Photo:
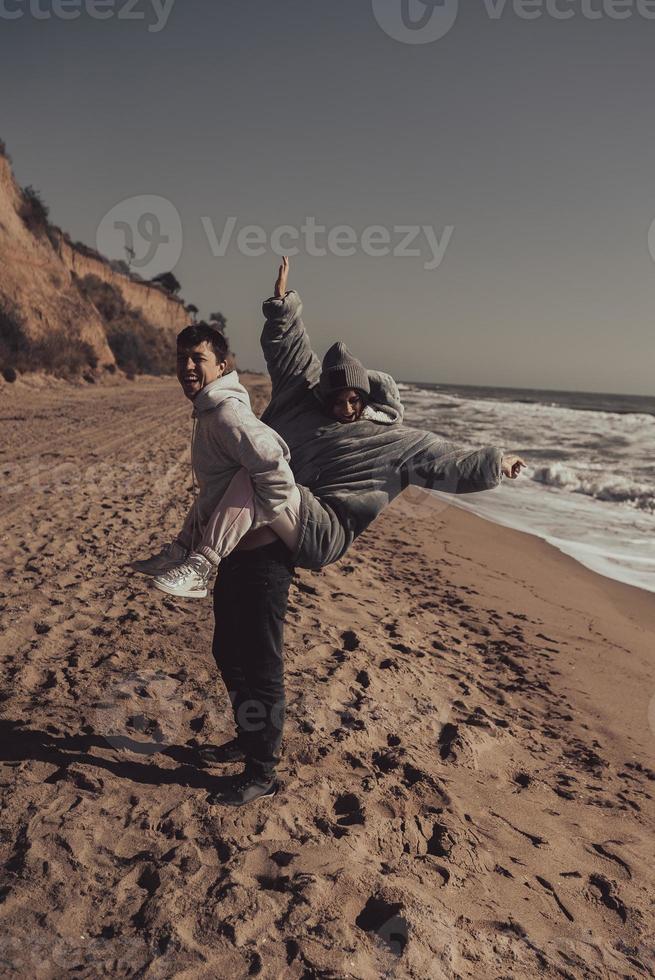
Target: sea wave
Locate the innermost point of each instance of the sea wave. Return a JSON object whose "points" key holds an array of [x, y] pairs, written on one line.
{"points": [[613, 489]]}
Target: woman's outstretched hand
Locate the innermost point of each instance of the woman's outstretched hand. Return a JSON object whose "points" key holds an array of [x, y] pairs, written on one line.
{"points": [[282, 276], [511, 466]]}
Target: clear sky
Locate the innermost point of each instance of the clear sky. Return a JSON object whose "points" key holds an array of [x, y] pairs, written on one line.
{"points": [[525, 146]]}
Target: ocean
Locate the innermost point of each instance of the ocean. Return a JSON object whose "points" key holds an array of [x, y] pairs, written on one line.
{"points": [[589, 488]]}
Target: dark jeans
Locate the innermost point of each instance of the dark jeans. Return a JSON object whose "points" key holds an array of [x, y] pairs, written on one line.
{"points": [[250, 603]]}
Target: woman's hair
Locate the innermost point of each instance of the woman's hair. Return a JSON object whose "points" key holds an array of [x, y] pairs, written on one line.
{"points": [[198, 333], [332, 397]]}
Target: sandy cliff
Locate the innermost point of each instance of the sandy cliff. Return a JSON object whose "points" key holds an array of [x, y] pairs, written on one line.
{"points": [[36, 286], [39, 294], [155, 304]]}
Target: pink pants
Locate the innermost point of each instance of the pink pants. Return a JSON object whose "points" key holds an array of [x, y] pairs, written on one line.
{"points": [[234, 516]]}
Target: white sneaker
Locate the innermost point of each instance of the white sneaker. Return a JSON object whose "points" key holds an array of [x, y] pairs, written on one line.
{"points": [[170, 555], [188, 578]]}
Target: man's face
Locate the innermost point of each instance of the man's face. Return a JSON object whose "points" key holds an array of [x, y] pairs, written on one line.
{"points": [[347, 405], [197, 367]]}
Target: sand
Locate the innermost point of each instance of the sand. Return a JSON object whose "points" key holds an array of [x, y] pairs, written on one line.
{"points": [[467, 784]]}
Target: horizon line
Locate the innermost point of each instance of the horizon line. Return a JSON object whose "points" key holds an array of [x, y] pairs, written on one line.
{"points": [[555, 391]]}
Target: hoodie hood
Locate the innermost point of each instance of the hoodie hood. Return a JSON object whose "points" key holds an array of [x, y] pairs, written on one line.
{"points": [[383, 404], [219, 391], [384, 399]]}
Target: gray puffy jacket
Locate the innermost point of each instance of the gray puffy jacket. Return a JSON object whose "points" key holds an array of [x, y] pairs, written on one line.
{"points": [[349, 473]]}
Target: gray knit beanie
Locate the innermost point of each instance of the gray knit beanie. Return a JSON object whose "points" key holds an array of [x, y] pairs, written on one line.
{"points": [[342, 370]]}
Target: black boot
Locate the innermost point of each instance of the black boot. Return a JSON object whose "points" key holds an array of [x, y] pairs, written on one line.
{"points": [[251, 784], [212, 755]]}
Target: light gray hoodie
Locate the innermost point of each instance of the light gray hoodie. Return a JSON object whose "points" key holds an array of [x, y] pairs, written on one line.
{"points": [[227, 436]]}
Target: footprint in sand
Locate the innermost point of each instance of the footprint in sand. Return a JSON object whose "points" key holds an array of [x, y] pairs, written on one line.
{"points": [[383, 919], [604, 891], [447, 739], [603, 850], [412, 775], [387, 760], [349, 810], [522, 780], [546, 885], [283, 858], [350, 641]]}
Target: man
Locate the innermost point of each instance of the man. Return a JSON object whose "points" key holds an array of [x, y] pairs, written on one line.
{"points": [[352, 455], [230, 443]]}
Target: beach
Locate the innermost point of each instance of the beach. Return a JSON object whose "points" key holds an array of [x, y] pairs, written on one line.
{"points": [[468, 776]]}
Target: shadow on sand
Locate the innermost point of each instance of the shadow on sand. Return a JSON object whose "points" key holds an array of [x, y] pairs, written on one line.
{"points": [[19, 743]]}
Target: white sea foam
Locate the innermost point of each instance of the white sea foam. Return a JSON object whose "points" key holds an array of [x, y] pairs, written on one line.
{"points": [[613, 488], [589, 489]]}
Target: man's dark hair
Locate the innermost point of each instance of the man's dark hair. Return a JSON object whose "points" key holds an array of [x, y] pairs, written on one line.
{"points": [[197, 333]]}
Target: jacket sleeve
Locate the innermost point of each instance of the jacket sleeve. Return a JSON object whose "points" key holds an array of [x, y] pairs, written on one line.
{"points": [[259, 450], [441, 465], [289, 356]]}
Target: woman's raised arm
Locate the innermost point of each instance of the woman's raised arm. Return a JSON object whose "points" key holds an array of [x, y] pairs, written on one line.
{"points": [[285, 343]]}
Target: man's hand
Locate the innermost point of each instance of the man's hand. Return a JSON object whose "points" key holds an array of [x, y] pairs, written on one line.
{"points": [[282, 276], [511, 466]]}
